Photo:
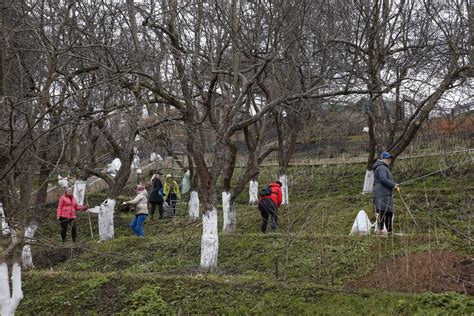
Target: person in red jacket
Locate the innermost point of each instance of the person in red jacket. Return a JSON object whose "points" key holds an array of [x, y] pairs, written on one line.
{"points": [[268, 205], [66, 214]]}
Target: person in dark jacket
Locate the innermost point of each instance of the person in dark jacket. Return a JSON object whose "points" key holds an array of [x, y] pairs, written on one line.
{"points": [[156, 197], [383, 191], [268, 206]]}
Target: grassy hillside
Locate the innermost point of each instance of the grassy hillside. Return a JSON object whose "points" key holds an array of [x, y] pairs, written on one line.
{"points": [[310, 265]]}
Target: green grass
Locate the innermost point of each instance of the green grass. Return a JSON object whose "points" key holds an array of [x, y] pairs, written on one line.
{"points": [[303, 268]]}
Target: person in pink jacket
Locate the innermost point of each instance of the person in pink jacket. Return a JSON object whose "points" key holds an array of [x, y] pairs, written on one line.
{"points": [[66, 214]]}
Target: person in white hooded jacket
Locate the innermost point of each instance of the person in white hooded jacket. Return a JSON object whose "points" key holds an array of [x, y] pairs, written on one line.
{"points": [[141, 211]]}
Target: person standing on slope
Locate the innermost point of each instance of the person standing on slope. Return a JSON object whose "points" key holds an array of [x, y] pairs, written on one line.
{"points": [[269, 201], [66, 214], [383, 191], [156, 197], [141, 211], [171, 193]]}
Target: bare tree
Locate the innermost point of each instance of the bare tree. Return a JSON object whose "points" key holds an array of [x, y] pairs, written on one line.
{"points": [[408, 54]]}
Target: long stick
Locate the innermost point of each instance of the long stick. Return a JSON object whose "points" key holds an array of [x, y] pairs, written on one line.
{"points": [[90, 222], [408, 209]]}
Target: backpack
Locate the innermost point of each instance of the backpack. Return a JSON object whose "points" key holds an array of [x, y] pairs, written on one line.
{"points": [[266, 191]]}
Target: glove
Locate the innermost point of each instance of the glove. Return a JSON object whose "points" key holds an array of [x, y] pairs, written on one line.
{"points": [[397, 188]]}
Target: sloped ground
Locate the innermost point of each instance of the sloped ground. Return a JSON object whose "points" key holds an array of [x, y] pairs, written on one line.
{"points": [[303, 268], [436, 271]]}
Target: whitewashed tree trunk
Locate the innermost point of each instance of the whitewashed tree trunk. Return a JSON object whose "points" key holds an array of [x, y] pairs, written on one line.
{"points": [[230, 214], [26, 256], [17, 293], [362, 224], [253, 192], [4, 288], [193, 205], [10, 303], [368, 182], [209, 240], [80, 191], [106, 220], [5, 228], [284, 189]]}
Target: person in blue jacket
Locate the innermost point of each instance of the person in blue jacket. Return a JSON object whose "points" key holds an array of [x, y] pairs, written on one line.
{"points": [[383, 191]]}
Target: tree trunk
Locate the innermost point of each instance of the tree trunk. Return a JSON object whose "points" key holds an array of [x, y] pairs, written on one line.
{"points": [[284, 189], [17, 293], [193, 205], [80, 191], [209, 240], [26, 257], [368, 181], [106, 220], [230, 214], [253, 191], [10, 303]]}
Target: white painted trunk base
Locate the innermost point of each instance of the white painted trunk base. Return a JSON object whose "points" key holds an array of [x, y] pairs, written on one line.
{"points": [[26, 257], [362, 224], [284, 189], [209, 240], [4, 288], [106, 220], [253, 192], [79, 191], [368, 182], [17, 293], [10, 304], [5, 228], [193, 205], [229, 213]]}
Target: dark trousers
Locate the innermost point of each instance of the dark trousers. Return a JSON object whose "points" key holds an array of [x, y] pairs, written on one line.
{"points": [[268, 209], [64, 223], [153, 208], [385, 218]]}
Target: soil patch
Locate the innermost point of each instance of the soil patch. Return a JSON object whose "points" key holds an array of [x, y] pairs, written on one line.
{"points": [[436, 271]]}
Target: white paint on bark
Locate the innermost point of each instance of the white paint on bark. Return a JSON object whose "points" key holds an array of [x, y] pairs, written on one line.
{"points": [[26, 256], [284, 189], [5, 227], [4, 288], [135, 162], [106, 220], [362, 224], [368, 181], [193, 205], [10, 303], [114, 167], [253, 192], [209, 240], [17, 293], [229, 214], [62, 182], [79, 191]]}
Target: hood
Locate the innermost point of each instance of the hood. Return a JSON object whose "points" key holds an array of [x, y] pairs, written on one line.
{"points": [[379, 163]]}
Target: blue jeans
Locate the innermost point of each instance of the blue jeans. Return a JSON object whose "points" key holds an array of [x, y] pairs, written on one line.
{"points": [[137, 225]]}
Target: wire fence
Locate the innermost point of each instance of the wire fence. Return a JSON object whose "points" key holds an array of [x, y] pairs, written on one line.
{"points": [[345, 148]]}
